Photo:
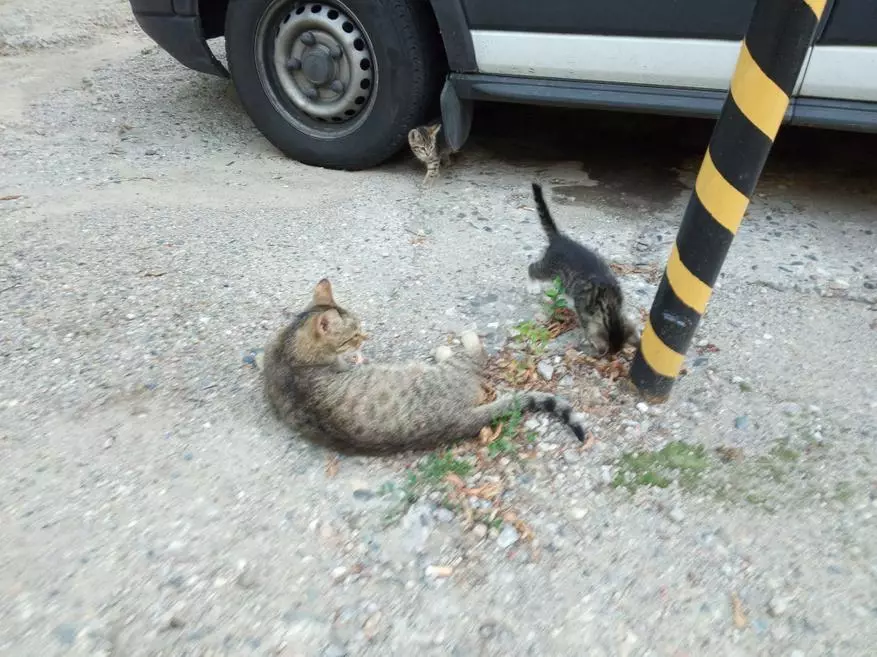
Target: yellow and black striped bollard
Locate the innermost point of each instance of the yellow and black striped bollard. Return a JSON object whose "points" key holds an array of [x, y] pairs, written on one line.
{"points": [[770, 60]]}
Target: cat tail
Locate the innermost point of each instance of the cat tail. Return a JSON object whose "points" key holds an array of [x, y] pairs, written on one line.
{"points": [[530, 402], [547, 222]]}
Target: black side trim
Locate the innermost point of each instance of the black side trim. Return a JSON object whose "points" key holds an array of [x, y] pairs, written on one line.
{"points": [[182, 38], [702, 103], [851, 23], [454, 28], [165, 7], [186, 7], [851, 115], [686, 19]]}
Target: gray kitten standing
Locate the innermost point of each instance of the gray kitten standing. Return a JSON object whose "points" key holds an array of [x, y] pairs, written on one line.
{"points": [[587, 280], [428, 145], [380, 407]]}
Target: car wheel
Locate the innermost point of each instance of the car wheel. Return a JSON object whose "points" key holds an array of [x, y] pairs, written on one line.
{"points": [[334, 84]]}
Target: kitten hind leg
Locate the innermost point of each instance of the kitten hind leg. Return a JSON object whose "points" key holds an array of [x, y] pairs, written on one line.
{"points": [[538, 271], [631, 333]]}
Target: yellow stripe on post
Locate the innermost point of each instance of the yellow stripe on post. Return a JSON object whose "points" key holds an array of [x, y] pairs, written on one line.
{"points": [[659, 356], [691, 291], [818, 6], [757, 96], [720, 198]]}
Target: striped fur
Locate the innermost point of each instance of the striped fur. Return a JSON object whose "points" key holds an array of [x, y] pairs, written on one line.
{"points": [[587, 280], [428, 146], [384, 407]]}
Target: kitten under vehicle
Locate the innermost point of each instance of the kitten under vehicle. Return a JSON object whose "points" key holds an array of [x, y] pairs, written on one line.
{"points": [[341, 83]]}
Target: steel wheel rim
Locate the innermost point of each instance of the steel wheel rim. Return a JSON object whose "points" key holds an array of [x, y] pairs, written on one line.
{"points": [[317, 66]]}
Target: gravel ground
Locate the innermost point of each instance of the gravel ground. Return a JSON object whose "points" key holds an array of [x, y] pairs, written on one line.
{"points": [[151, 505]]}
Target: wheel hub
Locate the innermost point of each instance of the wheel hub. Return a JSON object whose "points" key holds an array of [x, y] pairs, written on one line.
{"points": [[318, 67], [323, 61]]}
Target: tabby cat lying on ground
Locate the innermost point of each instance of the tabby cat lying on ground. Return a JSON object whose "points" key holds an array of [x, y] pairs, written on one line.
{"points": [[376, 407], [588, 281]]}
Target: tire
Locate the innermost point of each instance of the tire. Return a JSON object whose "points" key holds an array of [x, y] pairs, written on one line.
{"points": [[400, 39]]}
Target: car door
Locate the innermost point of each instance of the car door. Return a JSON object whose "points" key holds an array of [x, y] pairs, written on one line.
{"points": [[667, 43], [843, 63]]}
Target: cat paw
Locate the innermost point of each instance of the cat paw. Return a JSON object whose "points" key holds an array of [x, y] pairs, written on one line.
{"points": [[471, 343], [442, 353]]}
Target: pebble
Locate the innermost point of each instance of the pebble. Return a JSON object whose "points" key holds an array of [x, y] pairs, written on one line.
{"points": [[839, 284], [571, 456], [742, 422], [508, 536], [790, 408], [416, 525], [246, 578], [480, 530], [444, 515], [532, 424], [778, 606], [642, 407], [334, 650], [676, 514], [172, 621], [578, 513], [545, 369], [66, 633]]}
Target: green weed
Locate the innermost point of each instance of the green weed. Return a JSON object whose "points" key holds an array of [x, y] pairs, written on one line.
{"points": [[677, 461]]}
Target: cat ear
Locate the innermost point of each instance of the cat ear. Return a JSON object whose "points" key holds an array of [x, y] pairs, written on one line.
{"points": [[323, 293], [323, 323], [433, 129]]}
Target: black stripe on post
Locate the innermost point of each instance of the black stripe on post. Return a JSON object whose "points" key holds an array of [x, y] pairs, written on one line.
{"points": [[770, 60]]}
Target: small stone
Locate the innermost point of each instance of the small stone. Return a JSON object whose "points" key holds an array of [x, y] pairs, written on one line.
{"points": [[172, 621], [508, 536], [797, 653], [545, 369], [778, 606], [790, 408], [339, 573], [676, 515], [839, 284], [438, 572], [480, 530], [566, 382], [737, 380], [741, 422], [417, 526], [642, 407], [444, 515], [334, 650], [246, 578], [578, 513], [372, 625], [532, 424], [151, 151], [571, 456], [66, 633]]}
